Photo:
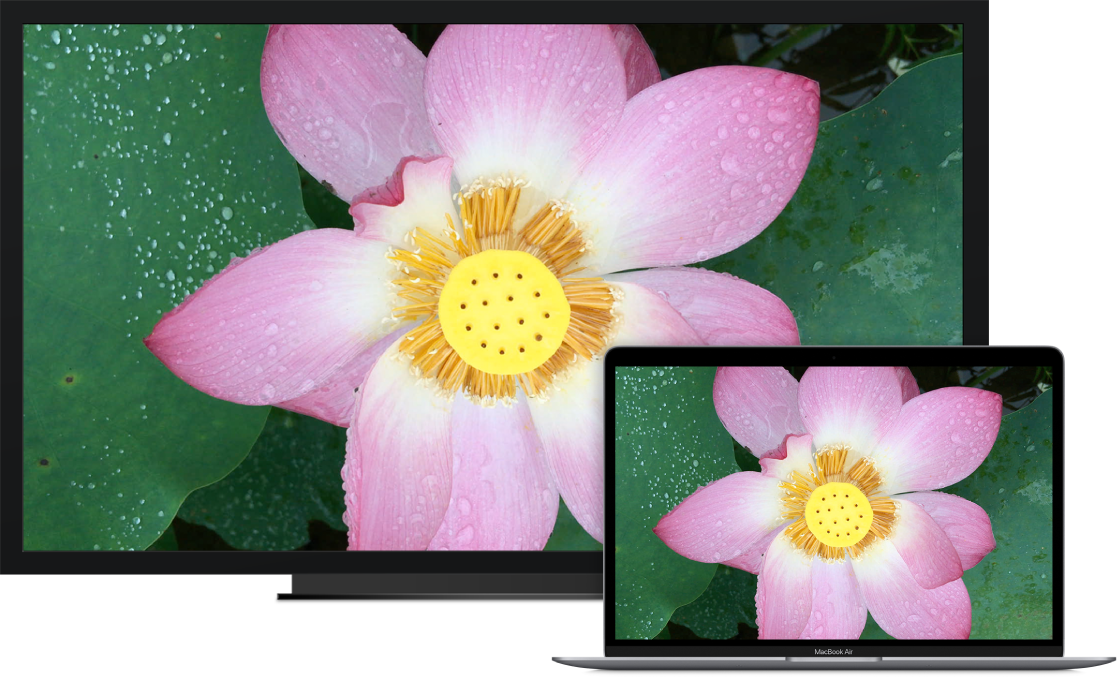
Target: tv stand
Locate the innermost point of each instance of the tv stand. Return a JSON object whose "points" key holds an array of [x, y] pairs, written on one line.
{"points": [[445, 585]]}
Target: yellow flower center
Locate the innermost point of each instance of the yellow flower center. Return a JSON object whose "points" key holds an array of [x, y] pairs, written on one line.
{"points": [[838, 514], [503, 312], [498, 309], [834, 509]]}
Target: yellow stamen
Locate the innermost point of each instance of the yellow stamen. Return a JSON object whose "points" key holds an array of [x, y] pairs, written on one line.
{"points": [[834, 512], [575, 316]]}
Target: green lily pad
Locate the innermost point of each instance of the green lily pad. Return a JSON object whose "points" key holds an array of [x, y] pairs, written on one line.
{"points": [[291, 476], [869, 250], [148, 163], [730, 598], [1010, 589], [568, 535], [669, 441]]}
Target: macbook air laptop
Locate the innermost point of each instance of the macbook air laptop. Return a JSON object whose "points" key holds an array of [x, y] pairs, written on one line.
{"points": [[834, 507]]}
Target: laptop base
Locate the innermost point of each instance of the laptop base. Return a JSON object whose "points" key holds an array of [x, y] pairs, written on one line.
{"points": [[863, 663]]}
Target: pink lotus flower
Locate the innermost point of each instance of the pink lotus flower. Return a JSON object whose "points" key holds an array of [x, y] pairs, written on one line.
{"points": [[461, 344], [839, 519]]}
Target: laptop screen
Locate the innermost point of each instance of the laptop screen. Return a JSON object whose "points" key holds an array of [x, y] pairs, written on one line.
{"points": [[833, 503]]}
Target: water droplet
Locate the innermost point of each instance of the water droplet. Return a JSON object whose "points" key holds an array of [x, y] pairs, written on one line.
{"points": [[779, 114], [874, 184], [730, 163], [227, 213], [170, 275], [167, 138]]}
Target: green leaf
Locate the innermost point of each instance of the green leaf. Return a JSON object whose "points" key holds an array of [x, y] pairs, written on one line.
{"points": [[1010, 589], [869, 250], [291, 476], [568, 535], [166, 541], [148, 163], [669, 441], [730, 598], [872, 630]]}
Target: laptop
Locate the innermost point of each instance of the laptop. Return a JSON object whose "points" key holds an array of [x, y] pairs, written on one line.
{"points": [[834, 508]]}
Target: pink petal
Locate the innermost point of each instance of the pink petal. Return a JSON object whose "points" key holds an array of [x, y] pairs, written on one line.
{"points": [[647, 319], [570, 422], [723, 309], [939, 438], [397, 473], [417, 194], [924, 546], [903, 608], [570, 425], [640, 69], [908, 386], [698, 165], [529, 102], [795, 454], [752, 558], [853, 406], [334, 401], [759, 406], [966, 523], [720, 521], [837, 610], [783, 591], [346, 101], [280, 323], [503, 497]]}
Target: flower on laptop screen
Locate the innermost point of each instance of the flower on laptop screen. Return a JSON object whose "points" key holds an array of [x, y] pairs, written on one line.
{"points": [[842, 519]]}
